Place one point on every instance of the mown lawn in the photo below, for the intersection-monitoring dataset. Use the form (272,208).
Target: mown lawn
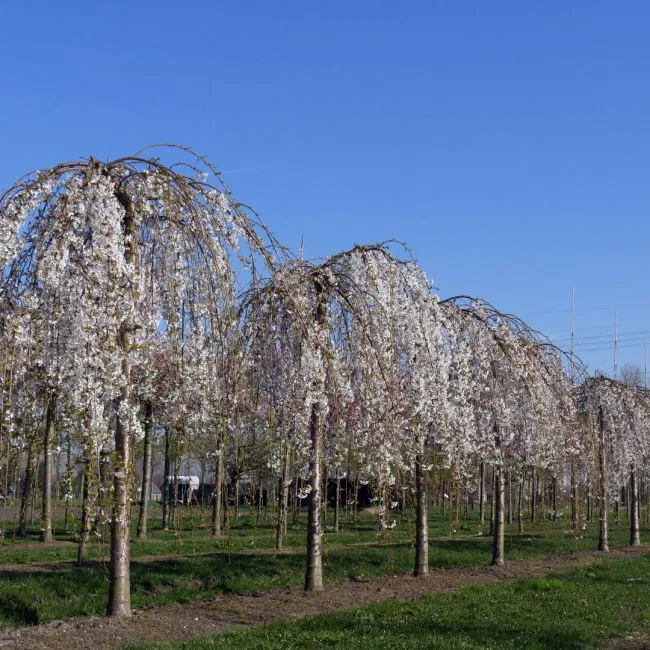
(242,561)
(578,610)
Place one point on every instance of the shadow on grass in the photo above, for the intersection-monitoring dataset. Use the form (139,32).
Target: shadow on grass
(18,611)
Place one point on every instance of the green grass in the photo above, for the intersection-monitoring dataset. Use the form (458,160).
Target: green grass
(242,561)
(576,610)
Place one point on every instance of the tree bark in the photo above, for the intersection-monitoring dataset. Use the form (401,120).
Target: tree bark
(499,506)
(498,545)
(510,497)
(119,593)
(635,537)
(283,510)
(85,510)
(492,497)
(27,488)
(46,517)
(520,510)
(217,493)
(68,480)
(533,495)
(314,573)
(481,512)
(146,470)
(421,516)
(574,496)
(603,540)
(337,503)
(165,494)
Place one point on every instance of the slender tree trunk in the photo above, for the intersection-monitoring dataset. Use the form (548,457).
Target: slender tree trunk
(146,470)
(520,510)
(165,494)
(481,512)
(68,480)
(635,538)
(283,510)
(498,496)
(260,497)
(510,497)
(27,488)
(574,496)
(603,541)
(533,495)
(119,596)
(421,516)
(337,503)
(85,510)
(46,517)
(176,499)
(103,496)
(217,493)
(492,497)
(314,573)
(554,499)
(119,593)
(498,545)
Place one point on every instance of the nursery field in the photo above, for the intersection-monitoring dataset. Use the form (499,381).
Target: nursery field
(602,605)
(186,566)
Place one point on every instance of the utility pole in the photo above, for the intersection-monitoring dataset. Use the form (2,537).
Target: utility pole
(645,364)
(573,325)
(573,318)
(615,344)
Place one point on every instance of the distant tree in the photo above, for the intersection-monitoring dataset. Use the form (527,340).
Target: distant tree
(632,375)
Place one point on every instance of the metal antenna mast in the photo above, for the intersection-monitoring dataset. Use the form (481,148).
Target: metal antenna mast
(615,344)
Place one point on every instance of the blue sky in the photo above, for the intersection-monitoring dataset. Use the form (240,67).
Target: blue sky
(507,142)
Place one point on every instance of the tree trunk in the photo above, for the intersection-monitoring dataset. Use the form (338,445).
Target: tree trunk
(85,510)
(554,499)
(603,541)
(510,497)
(533,496)
(27,488)
(68,480)
(260,497)
(492,497)
(283,510)
(574,496)
(499,520)
(520,510)
(635,538)
(146,470)
(217,493)
(119,596)
(165,494)
(481,512)
(421,517)
(337,503)
(314,573)
(46,517)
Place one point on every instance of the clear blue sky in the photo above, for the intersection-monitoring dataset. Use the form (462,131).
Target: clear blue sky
(507,142)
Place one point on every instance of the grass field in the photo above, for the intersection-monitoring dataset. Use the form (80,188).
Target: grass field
(581,609)
(243,560)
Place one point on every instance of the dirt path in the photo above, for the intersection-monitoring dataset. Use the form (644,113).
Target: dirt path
(201,618)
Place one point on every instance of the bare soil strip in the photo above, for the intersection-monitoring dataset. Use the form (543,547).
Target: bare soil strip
(202,618)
